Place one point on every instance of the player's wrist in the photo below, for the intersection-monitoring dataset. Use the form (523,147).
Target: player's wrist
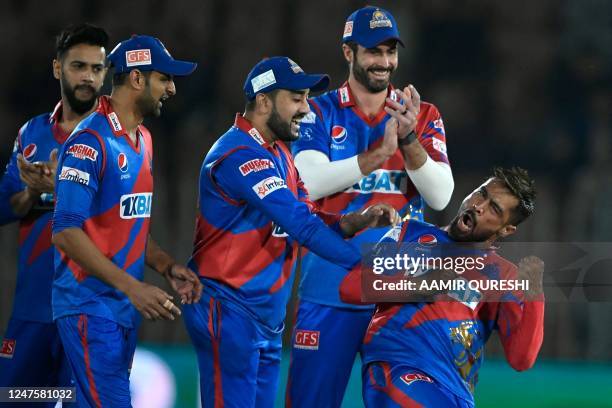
(408,139)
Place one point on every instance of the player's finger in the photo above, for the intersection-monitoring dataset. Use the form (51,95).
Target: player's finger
(164,311)
(146,314)
(197,291)
(416,97)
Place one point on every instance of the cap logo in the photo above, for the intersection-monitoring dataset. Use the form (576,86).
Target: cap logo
(379,19)
(263,80)
(138,57)
(348,29)
(295,67)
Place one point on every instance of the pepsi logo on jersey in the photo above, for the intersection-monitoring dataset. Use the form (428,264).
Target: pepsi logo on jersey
(135,205)
(428,239)
(122,161)
(29,151)
(338,134)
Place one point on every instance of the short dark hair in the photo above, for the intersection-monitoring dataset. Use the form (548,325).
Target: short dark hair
(250,104)
(518,181)
(120,78)
(353,46)
(83,33)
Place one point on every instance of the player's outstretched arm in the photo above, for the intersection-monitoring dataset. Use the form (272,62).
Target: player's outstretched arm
(149,300)
(521,325)
(375,216)
(181,279)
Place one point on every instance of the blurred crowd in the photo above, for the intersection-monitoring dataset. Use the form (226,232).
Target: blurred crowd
(517,83)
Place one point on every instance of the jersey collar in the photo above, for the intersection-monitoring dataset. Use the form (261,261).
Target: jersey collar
(243,124)
(106,109)
(346,98)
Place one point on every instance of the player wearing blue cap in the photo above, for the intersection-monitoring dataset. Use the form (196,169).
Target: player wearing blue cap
(104,192)
(344,135)
(253,211)
(31,352)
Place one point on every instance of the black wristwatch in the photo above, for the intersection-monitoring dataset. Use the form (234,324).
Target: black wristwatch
(411,137)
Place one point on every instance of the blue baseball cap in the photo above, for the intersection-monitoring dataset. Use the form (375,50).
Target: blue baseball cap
(147,53)
(281,73)
(370,26)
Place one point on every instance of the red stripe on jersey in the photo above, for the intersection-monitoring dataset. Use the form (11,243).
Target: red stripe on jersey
(380,318)
(396,394)
(213,310)
(216,256)
(25,228)
(90,378)
(286,270)
(451,311)
(43,242)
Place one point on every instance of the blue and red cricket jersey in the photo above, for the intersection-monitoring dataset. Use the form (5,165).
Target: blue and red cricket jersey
(104,185)
(35,141)
(446,339)
(253,211)
(340,130)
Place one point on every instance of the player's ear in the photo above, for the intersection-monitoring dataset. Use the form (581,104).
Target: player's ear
(57,68)
(137,79)
(348,53)
(506,231)
(263,104)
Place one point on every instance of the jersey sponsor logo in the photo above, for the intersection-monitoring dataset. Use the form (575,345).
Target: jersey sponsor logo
(381,181)
(412,377)
(310,117)
(114,120)
(263,80)
(338,134)
(379,20)
(122,162)
(307,339)
(29,151)
(269,185)
(393,234)
(348,29)
(428,239)
(82,151)
(306,133)
(257,136)
(75,175)
(438,124)
(8,348)
(255,165)
(138,57)
(345,97)
(135,205)
(439,145)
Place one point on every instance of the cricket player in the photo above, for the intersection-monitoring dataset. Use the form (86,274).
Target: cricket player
(427,354)
(343,137)
(104,191)
(253,212)
(31,353)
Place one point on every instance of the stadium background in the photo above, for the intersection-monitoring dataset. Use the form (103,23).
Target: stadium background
(526,83)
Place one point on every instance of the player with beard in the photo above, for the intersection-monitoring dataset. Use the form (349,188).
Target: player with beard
(343,136)
(253,212)
(428,353)
(31,351)
(101,227)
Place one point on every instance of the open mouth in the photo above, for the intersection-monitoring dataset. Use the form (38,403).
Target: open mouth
(466,222)
(295,123)
(162,100)
(379,73)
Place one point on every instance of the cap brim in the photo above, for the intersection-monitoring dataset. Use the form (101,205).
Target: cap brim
(314,82)
(180,68)
(377,41)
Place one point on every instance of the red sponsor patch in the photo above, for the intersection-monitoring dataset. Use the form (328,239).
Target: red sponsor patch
(255,165)
(412,377)
(428,239)
(307,339)
(29,151)
(8,348)
(81,151)
(138,57)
